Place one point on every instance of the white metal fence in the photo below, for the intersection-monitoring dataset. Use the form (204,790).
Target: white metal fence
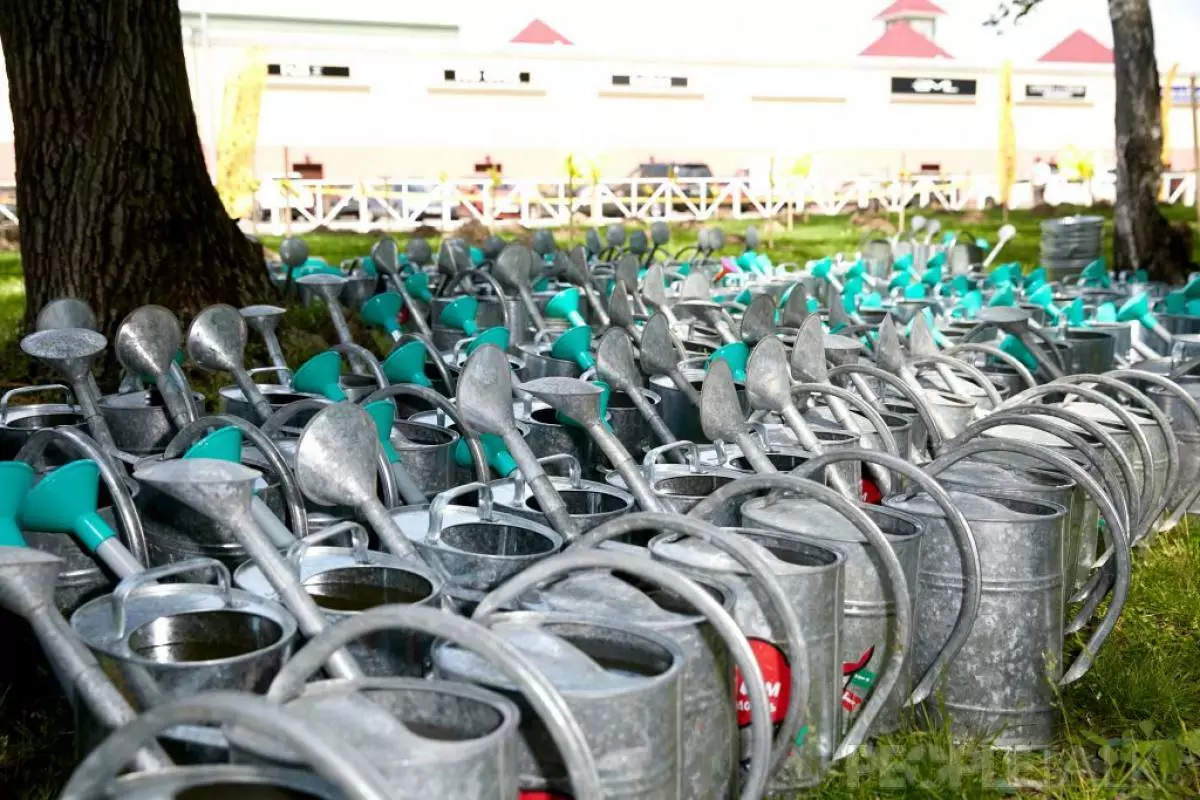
(397,205)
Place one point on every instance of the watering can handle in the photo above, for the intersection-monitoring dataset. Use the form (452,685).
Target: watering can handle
(574,471)
(443,406)
(1139,439)
(977,377)
(285,372)
(1184,397)
(293,500)
(723,496)
(438,507)
(1160,419)
(1108,511)
(46,387)
(758,568)
(578,560)
(995,352)
(860,405)
(652,457)
(284,414)
(964,541)
(343,767)
(538,690)
(129,586)
(358,543)
(1076,441)
(936,440)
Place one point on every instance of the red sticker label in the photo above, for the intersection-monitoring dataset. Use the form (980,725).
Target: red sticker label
(777,675)
(542,795)
(870,492)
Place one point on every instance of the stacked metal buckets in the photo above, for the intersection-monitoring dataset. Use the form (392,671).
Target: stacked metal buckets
(602,522)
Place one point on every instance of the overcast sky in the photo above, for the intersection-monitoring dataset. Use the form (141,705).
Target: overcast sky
(815,28)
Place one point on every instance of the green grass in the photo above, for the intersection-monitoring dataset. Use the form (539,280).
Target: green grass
(1131,727)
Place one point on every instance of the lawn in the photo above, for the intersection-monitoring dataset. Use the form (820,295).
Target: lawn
(1131,726)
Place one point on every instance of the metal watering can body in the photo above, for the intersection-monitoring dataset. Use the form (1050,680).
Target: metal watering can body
(621,682)
(426,738)
(162,641)
(176,532)
(548,436)
(709,724)
(1187,432)
(588,502)
(345,581)
(812,577)
(427,452)
(997,685)
(232,401)
(868,615)
(18,423)
(140,422)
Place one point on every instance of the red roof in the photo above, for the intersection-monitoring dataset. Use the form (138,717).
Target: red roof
(538,32)
(1080,48)
(901,41)
(911,8)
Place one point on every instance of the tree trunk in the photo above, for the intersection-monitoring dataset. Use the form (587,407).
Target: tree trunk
(115,202)
(1143,237)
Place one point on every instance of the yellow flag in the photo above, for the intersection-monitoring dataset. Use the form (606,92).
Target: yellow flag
(1167,102)
(1007,145)
(238,138)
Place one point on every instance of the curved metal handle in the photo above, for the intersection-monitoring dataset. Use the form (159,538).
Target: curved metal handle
(936,439)
(760,570)
(898,649)
(293,501)
(351,351)
(1189,403)
(972,371)
(538,690)
(286,371)
(129,586)
(501,297)
(964,541)
(652,457)
(345,768)
(128,521)
(1120,591)
(1077,442)
(358,543)
(273,425)
(1174,473)
(860,405)
(437,508)
(574,473)
(447,407)
(45,387)
(662,575)
(1146,519)
(995,352)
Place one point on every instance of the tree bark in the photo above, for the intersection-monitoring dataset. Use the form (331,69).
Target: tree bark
(116,205)
(1143,238)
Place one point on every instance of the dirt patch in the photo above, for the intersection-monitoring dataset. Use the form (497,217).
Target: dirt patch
(10,238)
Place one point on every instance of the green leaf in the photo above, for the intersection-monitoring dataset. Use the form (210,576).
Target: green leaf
(1108,755)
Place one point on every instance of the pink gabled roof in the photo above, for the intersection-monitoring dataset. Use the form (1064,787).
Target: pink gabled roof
(909,8)
(1079,48)
(900,40)
(538,32)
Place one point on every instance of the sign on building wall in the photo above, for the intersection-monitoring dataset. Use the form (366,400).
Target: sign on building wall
(650,81)
(307,71)
(491,76)
(935,87)
(1055,91)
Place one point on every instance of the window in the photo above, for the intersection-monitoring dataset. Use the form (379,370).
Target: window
(448,75)
(523,77)
(678,83)
(620,80)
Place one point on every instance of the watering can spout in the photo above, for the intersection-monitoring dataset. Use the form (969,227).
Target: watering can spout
(460,314)
(224,444)
(16,477)
(406,364)
(383,413)
(27,579)
(574,346)
(319,375)
(382,311)
(497,336)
